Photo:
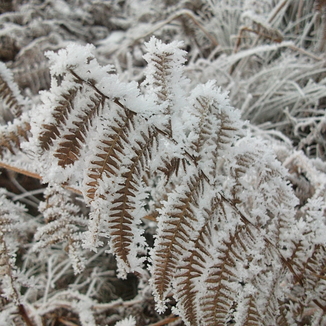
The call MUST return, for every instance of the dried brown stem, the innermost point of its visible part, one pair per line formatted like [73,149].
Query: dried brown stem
[24,315]
[166,321]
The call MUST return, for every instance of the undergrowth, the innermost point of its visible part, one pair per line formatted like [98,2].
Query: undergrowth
[162,163]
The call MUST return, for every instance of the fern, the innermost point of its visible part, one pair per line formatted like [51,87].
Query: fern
[9,92]
[227,190]
[232,245]
[63,225]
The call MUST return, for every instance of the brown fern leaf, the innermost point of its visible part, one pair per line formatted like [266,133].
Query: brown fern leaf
[225,254]
[9,92]
[194,265]
[224,134]
[161,63]
[31,68]
[218,302]
[69,147]
[177,220]
[12,135]
[108,150]
[253,317]
[172,166]
[312,273]
[276,205]
[121,215]
[165,69]
[60,114]
[116,175]
[64,223]
[218,128]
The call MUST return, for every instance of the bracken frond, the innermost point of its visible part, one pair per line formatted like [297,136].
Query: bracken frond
[191,269]
[177,220]
[312,274]
[218,127]
[60,114]
[223,280]
[71,141]
[120,161]
[108,150]
[12,135]
[64,223]
[31,68]
[129,191]
[9,92]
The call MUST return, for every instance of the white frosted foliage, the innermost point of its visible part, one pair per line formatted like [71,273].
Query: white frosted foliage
[230,237]
[129,321]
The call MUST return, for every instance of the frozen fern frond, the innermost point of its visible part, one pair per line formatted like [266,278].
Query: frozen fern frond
[13,134]
[10,95]
[10,220]
[15,127]
[64,223]
[115,172]
[218,127]
[228,234]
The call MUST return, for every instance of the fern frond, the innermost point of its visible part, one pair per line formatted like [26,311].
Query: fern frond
[9,92]
[222,280]
[307,300]
[11,217]
[51,129]
[255,168]
[12,134]
[218,127]
[108,148]
[64,224]
[164,63]
[177,222]
[190,269]
[71,141]
[116,174]
[31,68]
[164,70]
[210,270]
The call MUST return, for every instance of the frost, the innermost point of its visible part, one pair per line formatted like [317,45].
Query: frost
[150,168]
[129,321]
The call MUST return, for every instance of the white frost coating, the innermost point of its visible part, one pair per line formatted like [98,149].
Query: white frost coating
[164,77]
[129,321]
[235,211]
[7,76]
[77,57]
[84,309]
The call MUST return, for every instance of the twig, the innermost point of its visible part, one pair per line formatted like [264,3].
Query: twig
[177,15]
[19,170]
[165,321]
[23,314]
[35,176]
[277,10]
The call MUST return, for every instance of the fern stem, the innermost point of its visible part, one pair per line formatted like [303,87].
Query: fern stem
[24,315]
[19,170]
[165,321]
[34,175]
[183,12]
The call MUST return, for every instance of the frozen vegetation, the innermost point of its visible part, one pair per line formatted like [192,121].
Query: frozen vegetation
[163,163]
